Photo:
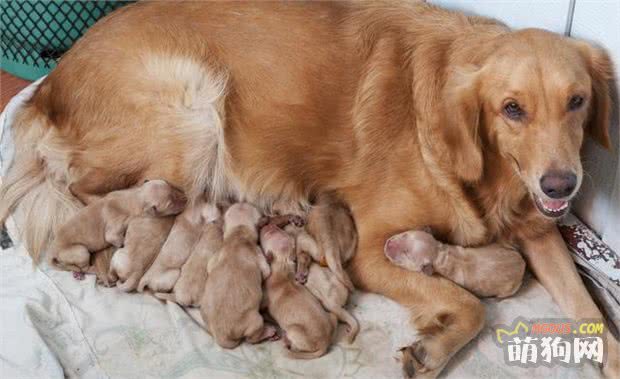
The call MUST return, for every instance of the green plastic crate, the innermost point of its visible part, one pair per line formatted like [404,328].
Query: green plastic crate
[36,33]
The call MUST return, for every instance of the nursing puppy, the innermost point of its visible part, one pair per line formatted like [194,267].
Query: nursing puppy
[486,271]
[190,286]
[308,328]
[104,222]
[144,240]
[233,292]
[419,116]
[330,291]
[330,237]
[188,226]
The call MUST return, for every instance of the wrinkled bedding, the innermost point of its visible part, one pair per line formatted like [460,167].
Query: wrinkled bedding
[52,325]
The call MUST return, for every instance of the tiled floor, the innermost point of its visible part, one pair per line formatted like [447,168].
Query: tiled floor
[9,87]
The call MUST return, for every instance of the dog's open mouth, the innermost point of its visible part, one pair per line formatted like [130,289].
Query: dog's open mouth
[552,208]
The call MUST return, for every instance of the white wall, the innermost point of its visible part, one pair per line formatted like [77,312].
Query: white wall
[546,14]
[599,204]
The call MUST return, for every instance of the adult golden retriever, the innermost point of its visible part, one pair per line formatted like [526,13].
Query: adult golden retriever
[412,114]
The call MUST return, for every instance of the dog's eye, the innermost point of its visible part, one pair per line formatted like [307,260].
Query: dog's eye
[513,111]
[575,103]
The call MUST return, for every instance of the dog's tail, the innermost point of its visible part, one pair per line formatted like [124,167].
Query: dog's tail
[353,326]
[34,188]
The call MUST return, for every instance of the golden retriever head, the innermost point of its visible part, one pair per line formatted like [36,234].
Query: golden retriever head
[529,102]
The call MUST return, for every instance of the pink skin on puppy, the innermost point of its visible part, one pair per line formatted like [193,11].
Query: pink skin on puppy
[415,250]
[492,270]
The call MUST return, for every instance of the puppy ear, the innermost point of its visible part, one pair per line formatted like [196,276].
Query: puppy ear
[461,116]
[601,71]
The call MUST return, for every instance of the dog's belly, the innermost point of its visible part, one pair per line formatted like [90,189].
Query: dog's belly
[224,120]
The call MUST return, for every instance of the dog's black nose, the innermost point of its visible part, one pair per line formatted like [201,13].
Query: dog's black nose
[558,184]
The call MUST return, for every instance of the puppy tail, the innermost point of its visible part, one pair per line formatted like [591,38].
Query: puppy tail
[34,188]
[352,323]
[335,265]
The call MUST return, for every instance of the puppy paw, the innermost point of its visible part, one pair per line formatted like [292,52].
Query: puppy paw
[271,333]
[301,277]
[298,221]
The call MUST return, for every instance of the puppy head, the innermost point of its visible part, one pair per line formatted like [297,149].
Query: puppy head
[414,250]
[161,199]
[241,214]
[278,244]
[530,101]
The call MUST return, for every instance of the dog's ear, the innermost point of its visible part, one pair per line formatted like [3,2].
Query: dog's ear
[461,116]
[601,71]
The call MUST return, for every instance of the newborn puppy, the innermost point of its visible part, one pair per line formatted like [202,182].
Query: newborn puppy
[104,222]
[190,286]
[233,292]
[144,240]
[308,328]
[486,271]
[331,292]
[330,237]
[187,228]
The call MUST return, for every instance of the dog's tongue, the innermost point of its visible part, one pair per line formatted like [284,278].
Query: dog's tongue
[554,204]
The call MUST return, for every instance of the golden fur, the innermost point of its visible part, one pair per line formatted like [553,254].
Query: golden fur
[143,241]
[184,239]
[308,328]
[233,292]
[396,107]
[104,222]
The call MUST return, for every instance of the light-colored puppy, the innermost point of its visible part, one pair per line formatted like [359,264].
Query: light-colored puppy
[104,222]
[491,270]
[330,291]
[308,328]
[144,240]
[188,226]
[190,286]
[330,236]
[233,292]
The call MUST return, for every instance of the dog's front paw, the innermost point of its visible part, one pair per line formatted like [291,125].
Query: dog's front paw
[419,361]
